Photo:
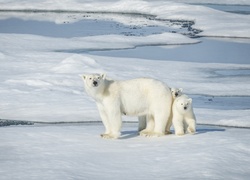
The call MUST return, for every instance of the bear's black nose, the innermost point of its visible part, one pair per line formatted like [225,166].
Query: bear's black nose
[95,83]
[185,108]
[176,94]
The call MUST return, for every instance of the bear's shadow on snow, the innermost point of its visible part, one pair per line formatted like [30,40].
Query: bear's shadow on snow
[132,134]
[208,130]
[128,134]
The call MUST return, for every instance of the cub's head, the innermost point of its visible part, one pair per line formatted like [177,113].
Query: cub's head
[176,92]
[93,80]
[183,104]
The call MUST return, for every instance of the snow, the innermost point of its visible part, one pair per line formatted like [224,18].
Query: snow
[77,152]
[45,88]
[212,22]
[39,82]
[17,42]
[224,2]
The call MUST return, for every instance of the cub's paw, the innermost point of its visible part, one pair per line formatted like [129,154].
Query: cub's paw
[179,133]
[191,131]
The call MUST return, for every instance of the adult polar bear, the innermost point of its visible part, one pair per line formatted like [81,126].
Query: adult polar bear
[142,97]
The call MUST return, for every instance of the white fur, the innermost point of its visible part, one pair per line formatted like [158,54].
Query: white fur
[147,98]
[176,92]
[183,115]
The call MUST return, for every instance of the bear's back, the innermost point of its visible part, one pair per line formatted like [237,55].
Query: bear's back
[143,85]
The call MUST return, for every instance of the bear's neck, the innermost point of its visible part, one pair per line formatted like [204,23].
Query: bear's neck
[96,94]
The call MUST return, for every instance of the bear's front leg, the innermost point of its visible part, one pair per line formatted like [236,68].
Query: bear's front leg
[178,125]
[105,122]
[114,119]
[191,125]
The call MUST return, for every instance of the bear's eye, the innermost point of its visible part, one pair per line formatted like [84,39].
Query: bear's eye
[182,104]
[90,78]
[98,78]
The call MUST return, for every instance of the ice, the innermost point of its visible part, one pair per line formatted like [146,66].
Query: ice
[212,22]
[52,90]
[225,2]
[17,42]
[40,86]
[77,152]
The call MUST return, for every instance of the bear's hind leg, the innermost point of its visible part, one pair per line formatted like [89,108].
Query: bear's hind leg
[150,126]
[169,124]
[160,124]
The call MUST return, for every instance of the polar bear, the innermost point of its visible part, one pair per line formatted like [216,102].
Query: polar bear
[183,115]
[142,97]
[176,92]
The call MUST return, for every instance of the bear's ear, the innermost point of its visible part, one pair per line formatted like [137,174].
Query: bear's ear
[103,75]
[83,76]
[189,100]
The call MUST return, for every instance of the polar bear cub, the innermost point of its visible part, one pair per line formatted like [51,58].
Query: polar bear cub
[176,92]
[142,97]
[183,115]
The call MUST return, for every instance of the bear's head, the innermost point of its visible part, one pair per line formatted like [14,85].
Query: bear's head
[183,104]
[176,92]
[93,81]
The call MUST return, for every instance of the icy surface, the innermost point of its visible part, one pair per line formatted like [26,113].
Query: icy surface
[39,82]
[211,22]
[77,152]
[39,74]
[51,90]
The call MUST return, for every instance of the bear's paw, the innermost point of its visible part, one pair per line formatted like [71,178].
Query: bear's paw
[150,134]
[190,130]
[180,133]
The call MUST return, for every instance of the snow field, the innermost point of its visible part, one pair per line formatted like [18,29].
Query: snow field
[212,22]
[39,81]
[73,152]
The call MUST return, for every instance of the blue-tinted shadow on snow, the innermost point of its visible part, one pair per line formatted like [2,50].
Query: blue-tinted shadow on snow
[129,134]
[209,130]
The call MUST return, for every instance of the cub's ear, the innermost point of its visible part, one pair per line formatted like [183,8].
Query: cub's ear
[103,75]
[180,89]
[190,100]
